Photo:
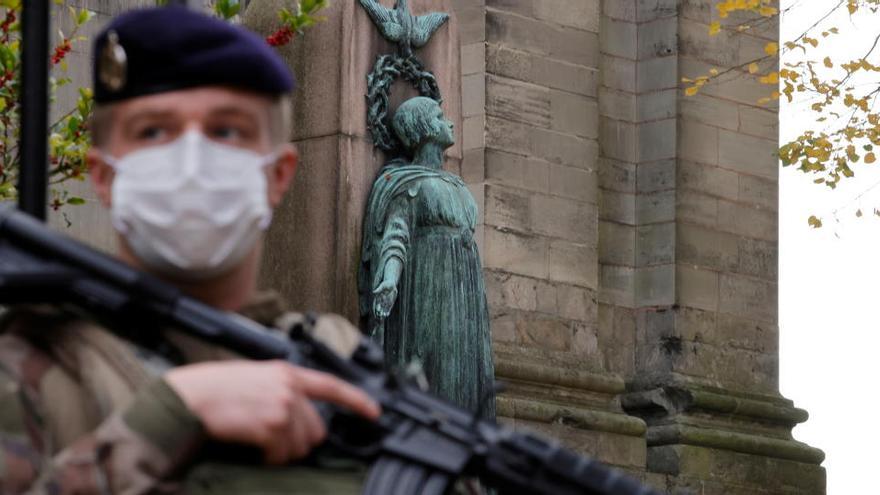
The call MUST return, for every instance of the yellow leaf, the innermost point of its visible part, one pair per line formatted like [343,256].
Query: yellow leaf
[691,91]
[753,68]
[763,101]
[2,104]
[870,158]
[828,62]
[771,78]
[852,6]
[771,48]
[767,11]
[714,28]
[713,71]
[814,222]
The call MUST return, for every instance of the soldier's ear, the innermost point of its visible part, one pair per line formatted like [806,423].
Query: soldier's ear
[281,173]
[101,175]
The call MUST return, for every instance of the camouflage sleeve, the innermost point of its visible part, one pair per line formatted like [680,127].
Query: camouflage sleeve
[132,451]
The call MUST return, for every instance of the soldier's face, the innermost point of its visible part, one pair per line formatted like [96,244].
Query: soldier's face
[229,116]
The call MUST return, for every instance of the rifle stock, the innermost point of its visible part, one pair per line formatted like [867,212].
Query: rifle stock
[419,446]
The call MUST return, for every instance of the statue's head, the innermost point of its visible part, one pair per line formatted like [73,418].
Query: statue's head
[419,121]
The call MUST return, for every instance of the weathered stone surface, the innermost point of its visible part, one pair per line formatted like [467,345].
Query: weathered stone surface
[697,288]
[657,105]
[754,222]
[658,38]
[473,59]
[709,179]
[517,170]
[710,111]
[573,263]
[696,208]
[529,67]
[647,10]
[574,183]
[759,191]
[624,10]
[546,144]
[656,207]
[657,74]
[707,248]
[656,244]
[748,297]
[574,114]
[619,140]
[617,176]
[518,102]
[619,38]
[617,105]
[618,73]
[563,218]
[542,38]
[656,176]
[747,154]
[617,285]
[618,207]
[657,140]
[617,244]
[473,94]
[473,23]
[698,142]
[516,253]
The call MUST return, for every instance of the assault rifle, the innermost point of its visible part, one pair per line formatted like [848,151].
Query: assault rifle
[420,445]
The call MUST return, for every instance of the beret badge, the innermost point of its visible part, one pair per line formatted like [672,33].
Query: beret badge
[113,64]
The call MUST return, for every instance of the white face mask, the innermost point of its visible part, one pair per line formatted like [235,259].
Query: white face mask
[192,208]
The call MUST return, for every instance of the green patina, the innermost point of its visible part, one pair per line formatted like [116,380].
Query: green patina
[420,280]
[398,25]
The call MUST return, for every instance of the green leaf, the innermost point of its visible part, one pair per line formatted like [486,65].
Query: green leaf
[227,9]
[76,201]
[85,15]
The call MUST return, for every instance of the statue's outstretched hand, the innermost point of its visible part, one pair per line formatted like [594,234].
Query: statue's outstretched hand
[383,300]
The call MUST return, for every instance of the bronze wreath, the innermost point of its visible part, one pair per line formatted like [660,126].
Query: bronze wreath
[387,69]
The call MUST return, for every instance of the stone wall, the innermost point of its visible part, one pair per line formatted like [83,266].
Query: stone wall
[529,92]
[630,238]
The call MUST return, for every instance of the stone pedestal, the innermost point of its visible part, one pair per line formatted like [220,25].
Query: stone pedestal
[713,440]
[313,248]
[578,407]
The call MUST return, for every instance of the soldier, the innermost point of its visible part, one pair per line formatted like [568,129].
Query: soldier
[190,155]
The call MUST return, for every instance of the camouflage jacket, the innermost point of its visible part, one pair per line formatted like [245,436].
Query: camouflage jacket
[82,412]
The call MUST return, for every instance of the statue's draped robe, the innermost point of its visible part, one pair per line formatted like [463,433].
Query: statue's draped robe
[426,218]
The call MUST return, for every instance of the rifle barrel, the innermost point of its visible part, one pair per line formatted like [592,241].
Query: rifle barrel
[33,173]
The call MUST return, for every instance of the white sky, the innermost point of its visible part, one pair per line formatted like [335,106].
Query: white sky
[828,285]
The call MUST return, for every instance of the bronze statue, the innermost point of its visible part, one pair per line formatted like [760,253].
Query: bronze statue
[421,282]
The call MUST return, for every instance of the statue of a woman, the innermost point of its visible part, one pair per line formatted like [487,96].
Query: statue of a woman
[421,282]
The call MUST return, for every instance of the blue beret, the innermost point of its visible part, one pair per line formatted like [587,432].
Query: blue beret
[155,50]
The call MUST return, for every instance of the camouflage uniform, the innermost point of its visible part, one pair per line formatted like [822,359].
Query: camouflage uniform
[84,412]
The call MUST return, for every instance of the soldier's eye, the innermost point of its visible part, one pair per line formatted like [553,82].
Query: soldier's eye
[152,133]
[226,133]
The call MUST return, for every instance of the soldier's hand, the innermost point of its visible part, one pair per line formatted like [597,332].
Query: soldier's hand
[267,404]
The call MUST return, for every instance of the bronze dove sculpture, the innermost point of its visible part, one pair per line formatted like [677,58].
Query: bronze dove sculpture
[398,25]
